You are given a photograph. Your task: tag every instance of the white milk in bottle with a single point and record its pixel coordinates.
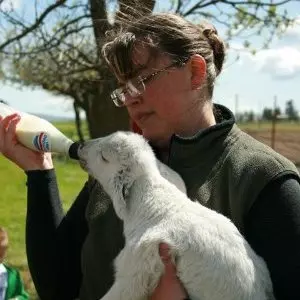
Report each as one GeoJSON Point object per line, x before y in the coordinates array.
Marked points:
{"type": "Point", "coordinates": [40, 135]}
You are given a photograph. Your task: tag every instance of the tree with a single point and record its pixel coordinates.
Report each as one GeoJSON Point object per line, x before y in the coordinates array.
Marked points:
{"type": "Point", "coordinates": [291, 111]}
{"type": "Point", "coordinates": [277, 111]}
{"type": "Point", "coordinates": [57, 46]}
{"type": "Point", "coordinates": [248, 116]}
{"type": "Point", "coordinates": [267, 114]}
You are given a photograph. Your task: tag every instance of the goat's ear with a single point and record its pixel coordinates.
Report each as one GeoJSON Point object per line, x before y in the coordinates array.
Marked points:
{"type": "Point", "coordinates": [124, 181]}
{"type": "Point", "coordinates": [125, 192]}
{"type": "Point", "coordinates": [123, 197]}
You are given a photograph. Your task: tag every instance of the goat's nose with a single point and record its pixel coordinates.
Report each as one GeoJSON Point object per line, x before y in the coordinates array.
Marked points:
{"type": "Point", "coordinates": [74, 148]}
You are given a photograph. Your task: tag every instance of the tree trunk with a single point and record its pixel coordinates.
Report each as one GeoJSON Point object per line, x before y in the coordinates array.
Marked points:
{"type": "Point", "coordinates": [103, 116]}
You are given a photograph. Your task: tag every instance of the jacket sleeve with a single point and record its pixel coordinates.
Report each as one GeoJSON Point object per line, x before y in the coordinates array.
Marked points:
{"type": "Point", "coordinates": [15, 289]}
{"type": "Point", "coordinates": [272, 227]}
{"type": "Point", "coordinates": [20, 293]}
{"type": "Point", "coordinates": [54, 240]}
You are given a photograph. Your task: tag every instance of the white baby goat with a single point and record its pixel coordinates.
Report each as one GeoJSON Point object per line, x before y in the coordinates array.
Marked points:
{"type": "Point", "coordinates": [213, 260]}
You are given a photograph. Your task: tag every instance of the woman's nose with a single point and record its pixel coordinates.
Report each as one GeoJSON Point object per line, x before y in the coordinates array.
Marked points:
{"type": "Point", "coordinates": [129, 100]}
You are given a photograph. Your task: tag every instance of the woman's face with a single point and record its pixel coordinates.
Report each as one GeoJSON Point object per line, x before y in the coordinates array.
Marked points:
{"type": "Point", "coordinates": [166, 101]}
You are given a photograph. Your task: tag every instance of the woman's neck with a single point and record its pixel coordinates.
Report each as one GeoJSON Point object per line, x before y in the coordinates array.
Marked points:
{"type": "Point", "coordinates": [197, 119]}
{"type": "Point", "coordinates": [189, 125]}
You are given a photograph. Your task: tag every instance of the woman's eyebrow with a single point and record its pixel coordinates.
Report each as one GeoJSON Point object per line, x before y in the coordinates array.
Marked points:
{"type": "Point", "coordinates": [140, 68]}
{"type": "Point", "coordinates": [136, 70]}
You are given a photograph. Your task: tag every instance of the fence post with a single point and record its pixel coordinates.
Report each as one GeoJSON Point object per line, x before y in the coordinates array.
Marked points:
{"type": "Point", "coordinates": [274, 119]}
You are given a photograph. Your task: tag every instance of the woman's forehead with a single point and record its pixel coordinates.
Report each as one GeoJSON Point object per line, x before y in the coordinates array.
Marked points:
{"type": "Point", "coordinates": [141, 59]}
{"type": "Point", "coordinates": [141, 56]}
{"type": "Point", "coordinates": [148, 58]}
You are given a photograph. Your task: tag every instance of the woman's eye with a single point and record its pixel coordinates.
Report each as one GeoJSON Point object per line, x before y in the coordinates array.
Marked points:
{"type": "Point", "coordinates": [145, 79]}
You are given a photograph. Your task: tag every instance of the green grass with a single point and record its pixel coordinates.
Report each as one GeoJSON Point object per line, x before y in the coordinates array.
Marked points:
{"type": "Point", "coordinates": [13, 202]}
{"type": "Point", "coordinates": [280, 126]}
{"type": "Point", "coordinates": [68, 128]}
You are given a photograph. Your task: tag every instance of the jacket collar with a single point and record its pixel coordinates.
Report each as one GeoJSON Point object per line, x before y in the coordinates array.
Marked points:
{"type": "Point", "coordinates": [205, 146]}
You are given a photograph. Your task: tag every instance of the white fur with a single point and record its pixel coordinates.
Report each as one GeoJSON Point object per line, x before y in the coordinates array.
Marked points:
{"type": "Point", "coordinates": [213, 260]}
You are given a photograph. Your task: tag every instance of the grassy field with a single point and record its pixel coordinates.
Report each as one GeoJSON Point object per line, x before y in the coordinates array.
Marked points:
{"type": "Point", "coordinates": [282, 126]}
{"type": "Point", "coordinates": [285, 141]}
{"type": "Point", "coordinates": [70, 179]}
{"type": "Point", "coordinates": [13, 202]}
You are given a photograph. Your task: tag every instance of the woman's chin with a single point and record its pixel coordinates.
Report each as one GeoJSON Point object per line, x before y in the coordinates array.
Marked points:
{"type": "Point", "coordinates": [156, 138]}
{"type": "Point", "coordinates": [148, 134]}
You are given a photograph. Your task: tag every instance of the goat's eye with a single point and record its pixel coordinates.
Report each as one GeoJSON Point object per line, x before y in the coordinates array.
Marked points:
{"type": "Point", "coordinates": [103, 158]}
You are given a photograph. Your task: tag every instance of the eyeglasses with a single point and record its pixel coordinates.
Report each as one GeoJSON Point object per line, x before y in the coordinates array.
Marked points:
{"type": "Point", "coordinates": [136, 87]}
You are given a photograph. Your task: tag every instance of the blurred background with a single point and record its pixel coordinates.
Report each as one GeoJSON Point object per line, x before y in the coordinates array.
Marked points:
{"type": "Point", "coordinates": [51, 66]}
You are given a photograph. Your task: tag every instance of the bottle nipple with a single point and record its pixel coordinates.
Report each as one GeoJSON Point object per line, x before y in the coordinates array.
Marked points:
{"type": "Point", "coordinates": [73, 150]}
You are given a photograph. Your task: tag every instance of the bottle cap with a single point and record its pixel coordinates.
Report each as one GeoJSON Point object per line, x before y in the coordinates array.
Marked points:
{"type": "Point", "coordinates": [73, 150]}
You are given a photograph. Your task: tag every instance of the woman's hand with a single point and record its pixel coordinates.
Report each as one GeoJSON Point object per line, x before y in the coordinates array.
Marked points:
{"type": "Point", "coordinates": [25, 158]}
{"type": "Point", "coordinates": [169, 286]}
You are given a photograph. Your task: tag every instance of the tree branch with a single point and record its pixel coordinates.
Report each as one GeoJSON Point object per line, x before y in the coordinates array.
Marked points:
{"type": "Point", "coordinates": [99, 19]}
{"type": "Point", "coordinates": [132, 9]}
{"type": "Point", "coordinates": [34, 26]}
{"type": "Point", "coordinates": [199, 5]}
{"type": "Point", "coordinates": [81, 54]}
{"type": "Point", "coordinates": [178, 8]}
{"type": "Point", "coordinates": [254, 3]}
{"type": "Point", "coordinates": [203, 3]}
{"type": "Point", "coordinates": [13, 20]}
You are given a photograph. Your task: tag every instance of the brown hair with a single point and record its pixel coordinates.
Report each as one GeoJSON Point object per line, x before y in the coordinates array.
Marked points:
{"type": "Point", "coordinates": [165, 33]}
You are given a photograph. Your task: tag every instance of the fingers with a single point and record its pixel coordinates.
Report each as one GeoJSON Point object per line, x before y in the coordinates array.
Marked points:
{"type": "Point", "coordinates": [6, 121]}
{"type": "Point", "coordinates": [11, 129]}
{"type": "Point", "coordinates": [164, 252]}
{"type": "Point", "coordinates": [7, 130]}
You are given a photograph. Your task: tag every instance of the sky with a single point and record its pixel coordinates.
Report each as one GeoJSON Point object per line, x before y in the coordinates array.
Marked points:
{"type": "Point", "coordinates": [255, 80]}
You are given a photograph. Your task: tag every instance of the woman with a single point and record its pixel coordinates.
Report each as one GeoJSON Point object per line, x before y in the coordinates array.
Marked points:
{"type": "Point", "coordinates": [166, 68]}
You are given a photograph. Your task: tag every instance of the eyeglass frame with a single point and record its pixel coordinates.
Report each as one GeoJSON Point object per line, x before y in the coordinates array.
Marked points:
{"type": "Point", "coordinates": [141, 81]}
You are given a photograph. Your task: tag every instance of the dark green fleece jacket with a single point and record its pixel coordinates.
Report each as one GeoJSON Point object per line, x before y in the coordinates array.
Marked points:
{"type": "Point", "coordinates": [223, 168]}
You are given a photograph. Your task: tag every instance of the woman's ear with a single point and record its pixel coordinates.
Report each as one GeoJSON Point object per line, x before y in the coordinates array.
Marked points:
{"type": "Point", "coordinates": [198, 70]}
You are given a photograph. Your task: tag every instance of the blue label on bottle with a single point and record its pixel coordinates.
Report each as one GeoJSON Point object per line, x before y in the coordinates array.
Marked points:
{"type": "Point", "coordinates": [41, 142]}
